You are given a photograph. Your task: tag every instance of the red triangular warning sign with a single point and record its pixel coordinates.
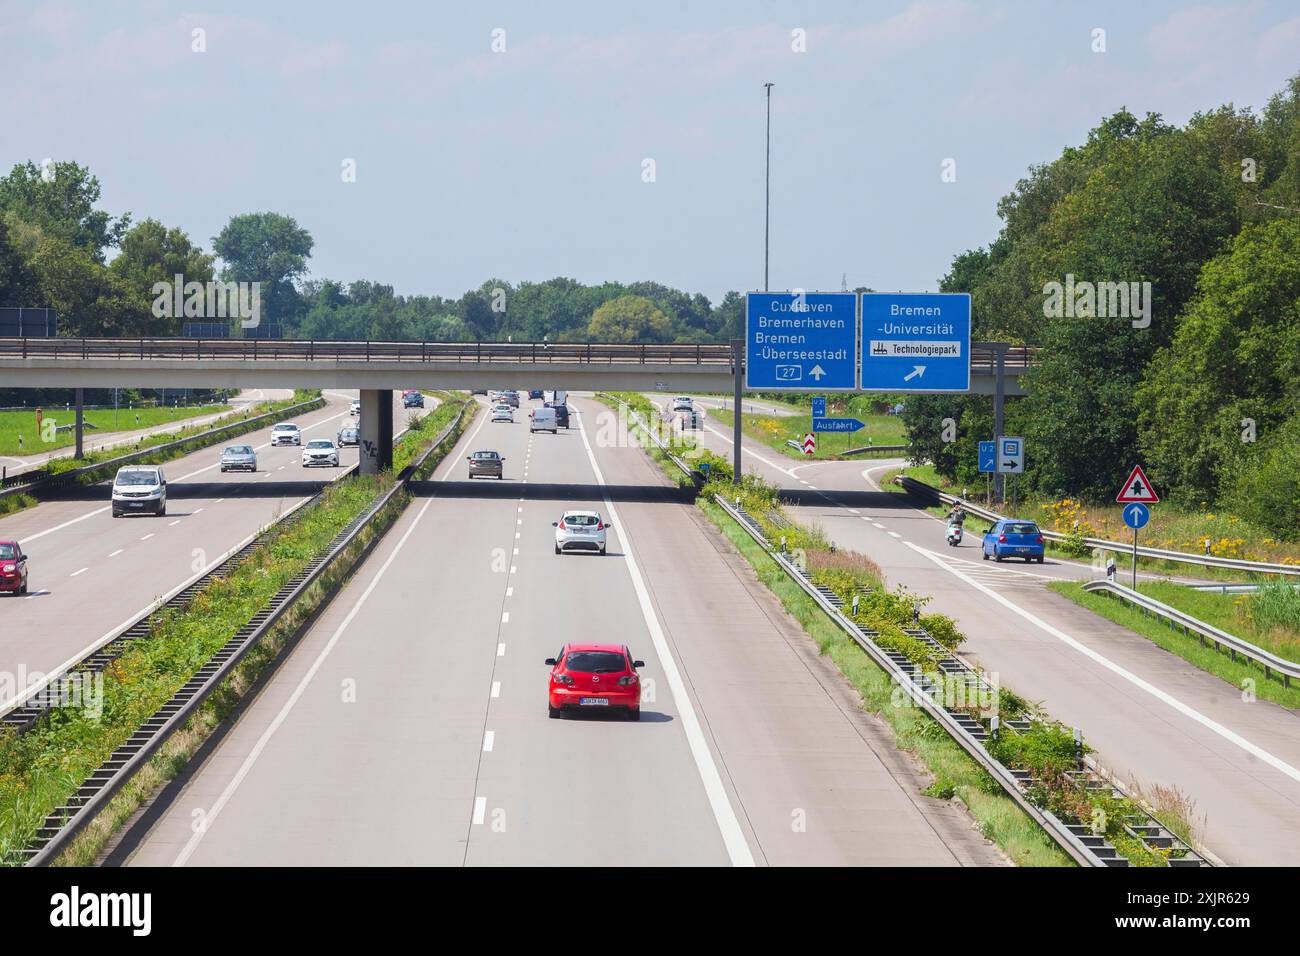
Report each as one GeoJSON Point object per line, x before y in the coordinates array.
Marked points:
{"type": "Point", "coordinates": [1137, 488]}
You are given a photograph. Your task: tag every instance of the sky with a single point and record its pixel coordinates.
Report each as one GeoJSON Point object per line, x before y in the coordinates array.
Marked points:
{"type": "Point", "coordinates": [605, 141]}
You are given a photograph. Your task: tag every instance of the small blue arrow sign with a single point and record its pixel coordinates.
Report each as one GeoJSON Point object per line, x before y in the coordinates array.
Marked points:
{"type": "Point", "coordinates": [819, 406]}
{"type": "Point", "coordinates": [836, 424]}
{"type": "Point", "coordinates": [1136, 515]}
{"type": "Point", "coordinates": [988, 456]}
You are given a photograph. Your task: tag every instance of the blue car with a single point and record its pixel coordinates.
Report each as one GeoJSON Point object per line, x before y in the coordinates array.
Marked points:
{"type": "Point", "coordinates": [1010, 538]}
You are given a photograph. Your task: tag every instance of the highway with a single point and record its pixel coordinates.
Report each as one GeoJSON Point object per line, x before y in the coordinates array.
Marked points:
{"type": "Point", "coordinates": [1154, 719]}
{"type": "Point", "coordinates": [409, 725]}
{"type": "Point", "coordinates": [91, 575]}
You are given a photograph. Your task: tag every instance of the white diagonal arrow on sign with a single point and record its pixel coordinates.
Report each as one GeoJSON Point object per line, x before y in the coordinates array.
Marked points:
{"type": "Point", "coordinates": [917, 372]}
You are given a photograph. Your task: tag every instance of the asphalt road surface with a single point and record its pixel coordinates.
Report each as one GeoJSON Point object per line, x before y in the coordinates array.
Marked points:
{"type": "Point", "coordinates": [409, 724]}
{"type": "Point", "coordinates": [92, 575]}
{"type": "Point", "coordinates": [1154, 719]}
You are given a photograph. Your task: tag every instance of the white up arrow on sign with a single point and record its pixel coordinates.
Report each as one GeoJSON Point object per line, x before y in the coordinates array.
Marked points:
{"type": "Point", "coordinates": [817, 372]}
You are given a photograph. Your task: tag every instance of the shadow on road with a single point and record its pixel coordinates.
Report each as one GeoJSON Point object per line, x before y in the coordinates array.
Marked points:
{"type": "Point", "coordinates": [488, 488]}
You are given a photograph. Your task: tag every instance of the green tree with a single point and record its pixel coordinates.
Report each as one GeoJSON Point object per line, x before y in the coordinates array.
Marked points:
{"type": "Point", "coordinates": [1233, 368]}
{"type": "Point", "coordinates": [61, 202]}
{"type": "Point", "coordinates": [630, 318]}
{"type": "Point", "coordinates": [269, 248]}
{"type": "Point", "coordinates": [18, 284]}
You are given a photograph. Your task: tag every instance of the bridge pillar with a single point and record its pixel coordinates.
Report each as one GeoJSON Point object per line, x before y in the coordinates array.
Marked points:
{"type": "Point", "coordinates": [376, 430]}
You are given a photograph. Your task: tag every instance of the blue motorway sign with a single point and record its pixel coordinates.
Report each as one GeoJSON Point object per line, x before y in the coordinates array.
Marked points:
{"type": "Point", "coordinates": [801, 341]}
{"type": "Point", "coordinates": [988, 456]}
{"type": "Point", "coordinates": [1136, 515]}
{"type": "Point", "coordinates": [819, 407]}
{"type": "Point", "coordinates": [915, 342]}
{"type": "Point", "coordinates": [836, 424]}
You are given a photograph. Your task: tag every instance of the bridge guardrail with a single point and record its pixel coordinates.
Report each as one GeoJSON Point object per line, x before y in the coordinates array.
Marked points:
{"type": "Point", "coordinates": [1236, 645]}
{"type": "Point", "coordinates": [718, 354]}
{"type": "Point", "coordinates": [1207, 560]}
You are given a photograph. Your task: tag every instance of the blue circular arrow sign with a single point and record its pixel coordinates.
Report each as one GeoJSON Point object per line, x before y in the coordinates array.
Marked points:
{"type": "Point", "coordinates": [1136, 515]}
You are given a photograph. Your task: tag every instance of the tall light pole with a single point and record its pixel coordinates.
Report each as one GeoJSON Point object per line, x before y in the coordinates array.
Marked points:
{"type": "Point", "coordinates": [767, 196]}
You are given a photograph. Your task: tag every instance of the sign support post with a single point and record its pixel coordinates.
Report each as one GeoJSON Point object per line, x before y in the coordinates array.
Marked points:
{"type": "Point", "coordinates": [1135, 495]}
{"type": "Point", "coordinates": [737, 353]}
{"type": "Point", "coordinates": [1135, 559]}
{"type": "Point", "coordinates": [80, 453]}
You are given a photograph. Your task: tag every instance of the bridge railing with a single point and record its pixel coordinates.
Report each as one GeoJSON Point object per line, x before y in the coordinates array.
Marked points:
{"type": "Point", "coordinates": [713, 355]}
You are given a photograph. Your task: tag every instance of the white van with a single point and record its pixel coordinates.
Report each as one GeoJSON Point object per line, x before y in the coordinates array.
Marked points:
{"type": "Point", "coordinates": [543, 420]}
{"type": "Point", "coordinates": [140, 488]}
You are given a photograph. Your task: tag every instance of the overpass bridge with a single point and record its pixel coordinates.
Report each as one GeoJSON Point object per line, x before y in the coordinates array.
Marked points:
{"type": "Point", "coordinates": [376, 367]}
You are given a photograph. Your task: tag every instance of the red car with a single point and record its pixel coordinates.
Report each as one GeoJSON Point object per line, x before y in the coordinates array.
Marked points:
{"type": "Point", "coordinates": [13, 568]}
{"type": "Point", "coordinates": [594, 676]}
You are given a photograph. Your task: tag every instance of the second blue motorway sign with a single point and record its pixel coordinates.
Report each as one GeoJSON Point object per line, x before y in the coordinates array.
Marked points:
{"type": "Point", "coordinates": [915, 342]}
{"type": "Point", "coordinates": [801, 341]}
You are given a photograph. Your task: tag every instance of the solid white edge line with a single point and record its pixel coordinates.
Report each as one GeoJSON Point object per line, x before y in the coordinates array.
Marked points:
{"type": "Point", "coordinates": [188, 850]}
{"type": "Point", "coordinates": [733, 837]}
{"type": "Point", "coordinates": [1161, 695]}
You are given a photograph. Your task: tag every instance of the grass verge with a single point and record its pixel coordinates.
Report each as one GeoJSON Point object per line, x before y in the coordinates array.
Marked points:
{"type": "Point", "coordinates": [1241, 673]}
{"type": "Point", "coordinates": [14, 425]}
{"type": "Point", "coordinates": [773, 430]}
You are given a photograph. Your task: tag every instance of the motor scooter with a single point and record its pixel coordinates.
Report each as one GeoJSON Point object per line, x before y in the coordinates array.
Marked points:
{"type": "Point", "coordinates": [954, 534]}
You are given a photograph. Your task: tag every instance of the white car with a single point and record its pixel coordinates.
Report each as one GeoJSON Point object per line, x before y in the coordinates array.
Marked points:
{"type": "Point", "coordinates": [683, 403]}
{"type": "Point", "coordinates": [543, 420]}
{"type": "Point", "coordinates": [503, 413]}
{"type": "Point", "coordinates": [286, 433]}
{"type": "Point", "coordinates": [320, 451]}
{"type": "Point", "coordinates": [139, 488]}
{"type": "Point", "coordinates": [355, 407]}
{"type": "Point", "coordinates": [580, 531]}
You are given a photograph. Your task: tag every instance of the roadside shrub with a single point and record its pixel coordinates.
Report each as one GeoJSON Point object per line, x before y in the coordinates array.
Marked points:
{"type": "Point", "coordinates": [1275, 605]}
{"type": "Point", "coordinates": [943, 629]}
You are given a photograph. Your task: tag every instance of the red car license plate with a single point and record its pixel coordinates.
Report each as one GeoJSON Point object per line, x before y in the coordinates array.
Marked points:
{"type": "Point", "coordinates": [594, 702]}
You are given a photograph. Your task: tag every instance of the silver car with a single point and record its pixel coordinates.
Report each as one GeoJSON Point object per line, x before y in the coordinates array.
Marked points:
{"type": "Point", "coordinates": [348, 436]}
{"type": "Point", "coordinates": [239, 458]}
{"type": "Point", "coordinates": [486, 464]}
{"type": "Point", "coordinates": [503, 413]}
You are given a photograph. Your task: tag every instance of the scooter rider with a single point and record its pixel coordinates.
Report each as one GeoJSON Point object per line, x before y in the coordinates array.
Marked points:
{"type": "Point", "coordinates": [957, 516]}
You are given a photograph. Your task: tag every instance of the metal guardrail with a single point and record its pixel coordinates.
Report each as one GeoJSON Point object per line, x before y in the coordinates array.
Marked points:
{"type": "Point", "coordinates": [1053, 825]}
{"type": "Point", "coordinates": [1207, 560]}
{"type": "Point", "coordinates": [650, 433]}
{"type": "Point", "coordinates": [43, 480]}
{"type": "Point", "coordinates": [1206, 632]}
{"type": "Point", "coordinates": [797, 446]}
{"type": "Point", "coordinates": [62, 825]}
{"type": "Point", "coordinates": [1076, 841]}
{"type": "Point", "coordinates": [983, 359]}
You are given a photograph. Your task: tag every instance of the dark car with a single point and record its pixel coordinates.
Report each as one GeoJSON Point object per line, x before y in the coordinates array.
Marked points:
{"type": "Point", "coordinates": [1012, 538]}
{"type": "Point", "coordinates": [413, 398]}
{"type": "Point", "coordinates": [561, 413]}
{"type": "Point", "coordinates": [535, 393]}
{"type": "Point", "coordinates": [487, 464]}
